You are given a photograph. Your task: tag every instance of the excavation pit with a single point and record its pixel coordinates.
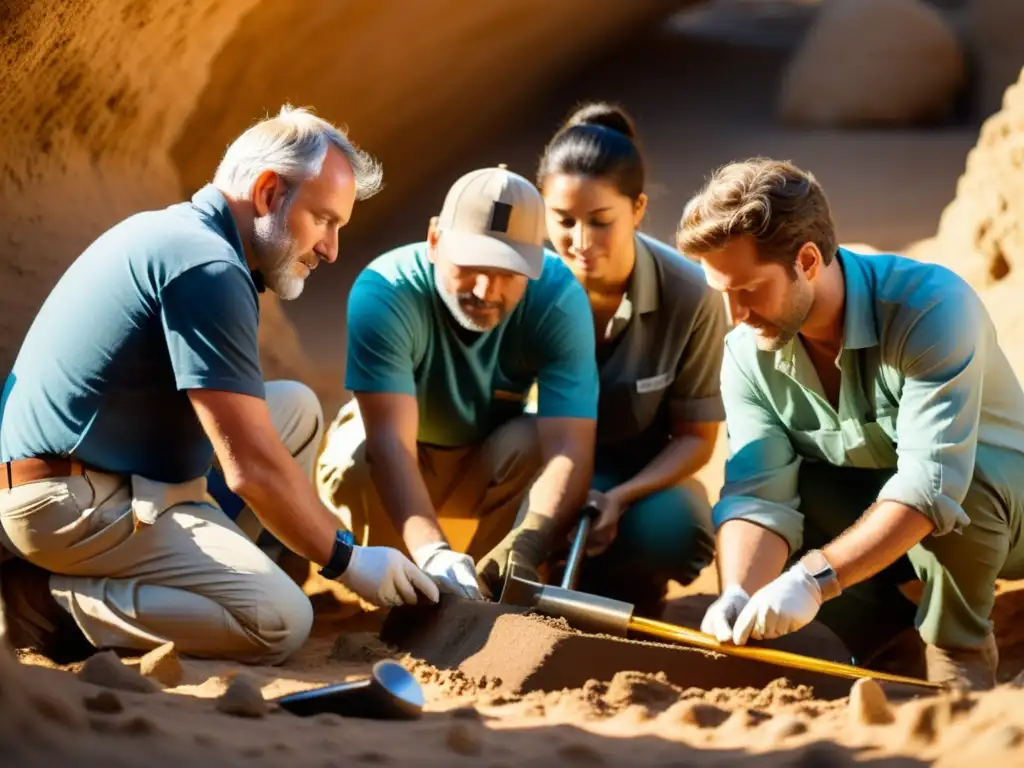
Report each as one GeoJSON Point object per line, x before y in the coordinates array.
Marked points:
{"type": "Point", "coordinates": [520, 652]}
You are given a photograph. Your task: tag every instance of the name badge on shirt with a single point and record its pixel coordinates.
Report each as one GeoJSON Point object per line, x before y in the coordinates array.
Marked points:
{"type": "Point", "coordinates": [654, 383]}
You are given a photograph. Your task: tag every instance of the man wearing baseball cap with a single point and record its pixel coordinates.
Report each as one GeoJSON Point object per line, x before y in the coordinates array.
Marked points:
{"type": "Point", "coordinates": [445, 340]}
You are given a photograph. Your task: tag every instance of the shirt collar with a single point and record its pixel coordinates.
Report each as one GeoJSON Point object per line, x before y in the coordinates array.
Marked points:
{"type": "Point", "coordinates": [212, 204]}
{"type": "Point", "coordinates": [860, 329]}
{"type": "Point", "coordinates": [643, 287]}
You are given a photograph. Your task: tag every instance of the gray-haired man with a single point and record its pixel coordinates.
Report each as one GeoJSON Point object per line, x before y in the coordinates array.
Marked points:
{"type": "Point", "coordinates": [141, 366]}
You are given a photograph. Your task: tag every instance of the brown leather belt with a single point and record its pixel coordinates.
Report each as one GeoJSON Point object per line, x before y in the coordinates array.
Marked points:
{"type": "Point", "coordinates": [21, 471]}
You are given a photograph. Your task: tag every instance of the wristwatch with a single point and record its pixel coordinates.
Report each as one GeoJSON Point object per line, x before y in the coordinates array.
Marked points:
{"type": "Point", "coordinates": [344, 542]}
{"type": "Point", "coordinates": [821, 571]}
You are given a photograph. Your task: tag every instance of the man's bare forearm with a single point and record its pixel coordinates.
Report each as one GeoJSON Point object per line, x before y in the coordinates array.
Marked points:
{"type": "Point", "coordinates": [561, 489]}
{"type": "Point", "coordinates": [285, 502]}
{"type": "Point", "coordinates": [749, 555]}
{"type": "Point", "coordinates": [882, 535]}
{"type": "Point", "coordinates": [396, 475]}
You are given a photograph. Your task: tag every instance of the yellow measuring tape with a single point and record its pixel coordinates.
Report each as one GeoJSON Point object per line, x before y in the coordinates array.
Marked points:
{"type": "Point", "coordinates": [770, 655]}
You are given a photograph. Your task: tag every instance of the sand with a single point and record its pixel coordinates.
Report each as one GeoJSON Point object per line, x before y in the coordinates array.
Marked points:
{"type": "Point", "coordinates": [506, 689]}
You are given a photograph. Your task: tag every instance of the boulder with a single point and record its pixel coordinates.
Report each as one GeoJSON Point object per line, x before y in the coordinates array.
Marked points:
{"type": "Point", "coordinates": [873, 62]}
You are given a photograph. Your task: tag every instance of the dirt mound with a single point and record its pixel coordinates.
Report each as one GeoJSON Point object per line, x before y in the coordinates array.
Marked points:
{"type": "Point", "coordinates": [518, 653]}
{"type": "Point", "coordinates": [873, 62]}
{"type": "Point", "coordinates": [981, 233]}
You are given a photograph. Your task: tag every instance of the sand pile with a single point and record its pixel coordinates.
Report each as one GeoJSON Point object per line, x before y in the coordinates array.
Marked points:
{"type": "Point", "coordinates": [981, 233]}
{"type": "Point", "coordinates": [498, 647]}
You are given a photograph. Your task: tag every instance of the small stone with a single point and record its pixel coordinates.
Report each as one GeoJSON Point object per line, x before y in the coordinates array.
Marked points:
{"type": "Point", "coordinates": [461, 740]}
{"type": "Point", "coordinates": [242, 698]}
{"type": "Point", "coordinates": [163, 665]}
{"type": "Point", "coordinates": [105, 702]}
{"type": "Point", "coordinates": [868, 703]}
{"type": "Point", "coordinates": [107, 670]}
{"type": "Point", "coordinates": [696, 713]}
{"type": "Point", "coordinates": [782, 727]}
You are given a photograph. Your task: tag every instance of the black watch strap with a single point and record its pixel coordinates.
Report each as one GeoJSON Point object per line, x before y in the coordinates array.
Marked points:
{"type": "Point", "coordinates": [344, 542]}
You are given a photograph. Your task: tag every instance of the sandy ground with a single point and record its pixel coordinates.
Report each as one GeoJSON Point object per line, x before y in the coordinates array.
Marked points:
{"type": "Point", "coordinates": [888, 189]}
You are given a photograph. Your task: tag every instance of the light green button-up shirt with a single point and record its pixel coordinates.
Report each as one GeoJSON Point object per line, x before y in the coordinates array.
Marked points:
{"type": "Point", "coordinates": [926, 390]}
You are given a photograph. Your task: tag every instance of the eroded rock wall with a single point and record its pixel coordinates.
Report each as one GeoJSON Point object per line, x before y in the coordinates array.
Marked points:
{"type": "Point", "coordinates": [114, 106]}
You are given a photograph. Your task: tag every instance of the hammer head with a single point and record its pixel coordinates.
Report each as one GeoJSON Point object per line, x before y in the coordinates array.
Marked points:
{"type": "Point", "coordinates": [585, 612]}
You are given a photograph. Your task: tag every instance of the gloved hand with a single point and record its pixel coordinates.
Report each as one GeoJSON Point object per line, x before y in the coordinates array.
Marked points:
{"type": "Point", "coordinates": [530, 542]}
{"type": "Point", "coordinates": [453, 572]}
{"type": "Point", "coordinates": [606, 526]}
{"type": "Point", "coordinates": [385, 576]}
{"type": "Point", "coordinates": [721, 615]}
{"type": "Point", "coordinates": [784, 605]}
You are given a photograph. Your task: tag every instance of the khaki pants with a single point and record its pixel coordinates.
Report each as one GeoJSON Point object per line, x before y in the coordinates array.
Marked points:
{"type": "Point", "coordinates": [138, 563]}
{"type": "Point", "coordinates": [484, 483]}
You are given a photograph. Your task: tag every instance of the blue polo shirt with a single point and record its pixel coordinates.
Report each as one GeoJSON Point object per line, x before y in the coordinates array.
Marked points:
{"type": "Point", "coordinates": [160, 304]}
{"type": "Point", "coordinates": [402, 339]}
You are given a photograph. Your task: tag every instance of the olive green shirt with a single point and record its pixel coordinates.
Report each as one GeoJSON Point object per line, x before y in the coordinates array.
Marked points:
{"type": "Point", "coordinates": [926, 390]}
{"type": "Point", "coordinates": [668, 337]}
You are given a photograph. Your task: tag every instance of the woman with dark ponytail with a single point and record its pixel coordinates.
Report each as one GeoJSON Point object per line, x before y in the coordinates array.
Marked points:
{"type": "Point", "coordinates": [660, 333]}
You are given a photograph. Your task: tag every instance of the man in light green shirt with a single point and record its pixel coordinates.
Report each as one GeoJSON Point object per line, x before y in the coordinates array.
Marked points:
{"type": "Point", "coordinates": [876, 433]}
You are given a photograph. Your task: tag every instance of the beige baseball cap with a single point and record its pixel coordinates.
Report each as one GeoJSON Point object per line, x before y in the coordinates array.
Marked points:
{"type": "Point", "coordinates": [494, 218]}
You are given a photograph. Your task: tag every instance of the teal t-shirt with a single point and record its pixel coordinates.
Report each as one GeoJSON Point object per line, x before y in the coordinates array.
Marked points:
{"type": "Point", "coordinates": [403, 339]}
{"type": "Point", "coordinates": [159, 304]}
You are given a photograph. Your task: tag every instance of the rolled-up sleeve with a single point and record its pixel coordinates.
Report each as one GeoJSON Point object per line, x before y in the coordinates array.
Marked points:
{"type": "Point", "coordinates": [696, 393]}
{"type": "Point", "coordinates": [942, 359]}
{"type": "Point", "coordinates": [762, 472]}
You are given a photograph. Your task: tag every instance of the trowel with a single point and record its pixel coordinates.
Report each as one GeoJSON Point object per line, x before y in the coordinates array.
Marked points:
{"type": "Point", "coordinates": [603, 615]}
{"type": "Point", "coordinates": [389, 693]}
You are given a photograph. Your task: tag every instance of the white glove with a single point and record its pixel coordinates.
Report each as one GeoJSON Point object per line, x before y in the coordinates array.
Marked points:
{"type": "Point", "coordinates": [385, 576]}
{"type": "Point", "coordinates": [454, 572]}
{"type": "Point", "coordinates": [722, 614]}
{"type": "Point", "coordinates": [784, 605]}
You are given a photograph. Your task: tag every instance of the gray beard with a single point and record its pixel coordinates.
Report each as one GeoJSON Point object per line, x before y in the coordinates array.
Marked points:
{"type": "Point", "coordinates": [452, 302]}
{"type": "Point", "coordinates": [275, 254]}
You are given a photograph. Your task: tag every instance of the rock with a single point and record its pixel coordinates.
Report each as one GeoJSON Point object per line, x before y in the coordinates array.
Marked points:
{"type": "Point", "coordinates": [242, 698]}
{"type": "Point", "coordinates": [163, 665]}
{"type": "Point", "coordinates": [107, 670]}
{"type": "Point", "coordinates": [868, 703]}
{"type": "Point", "coordinates": [782, 727]}
{"type": "Point", "coordinates": [104, 702]}
{"type": "Point", "coordinates": [873, 62]}
{"type": "Point", "coordinates": [462, 740]}
{"type": "Point", "coordinates": [696, 713]}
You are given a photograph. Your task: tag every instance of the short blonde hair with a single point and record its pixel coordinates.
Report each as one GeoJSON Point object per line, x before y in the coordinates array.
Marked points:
{"type": "Point", "coordinates": [293, 144]}
{"type": "Point", "coordinates": [773, 201]}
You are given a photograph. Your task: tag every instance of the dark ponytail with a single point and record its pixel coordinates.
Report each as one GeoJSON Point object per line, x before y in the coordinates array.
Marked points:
{"type": "Point", "coordinates": [599, 141]}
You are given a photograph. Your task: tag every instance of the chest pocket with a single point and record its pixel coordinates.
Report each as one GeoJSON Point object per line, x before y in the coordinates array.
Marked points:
{"type": "Point", "coordinates": [867, 446]}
